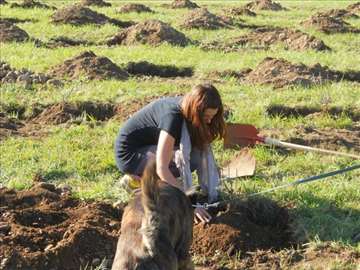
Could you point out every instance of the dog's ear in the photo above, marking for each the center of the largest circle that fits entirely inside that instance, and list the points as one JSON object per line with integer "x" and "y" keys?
{"x": 195, "y": 194}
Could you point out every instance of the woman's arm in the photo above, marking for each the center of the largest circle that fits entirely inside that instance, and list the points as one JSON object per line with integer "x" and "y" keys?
{"x": 164, "y": 155}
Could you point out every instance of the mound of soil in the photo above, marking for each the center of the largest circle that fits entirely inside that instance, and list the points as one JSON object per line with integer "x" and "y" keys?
{"x": 296, "y": 111}
{"x": 238, "y": 11}
{"x": 9, "y": 126}
{"x": 62, "y": 41}
{"x": 328, "y": 138}
{"x": 149, "y": 69}
{"x": 99, "y": 3}
{"x": 354, "y": 7}
{"x": 63, "y": 112}
{"x": 329, "y": 25}
{"x": 43, "y": 228}
{"x": 183, "y": 4}
{"x": 243, "y": 227}
{"x": 264, "y": 5}
{"x": 139, "y": 8}
{"x": 31, "y": 4}
{"x": 202, "y": 18}
{"x": 80, "y": 15}
{"x": 25, "y": 76}
{"x": 89, "y": 65}
{"x": 280, "y": 73}
{"x": 9, "y": 32}
{"x": 262, "y": 38}
{"x": 339, "y": 13}
{"x": 151, "y": 32}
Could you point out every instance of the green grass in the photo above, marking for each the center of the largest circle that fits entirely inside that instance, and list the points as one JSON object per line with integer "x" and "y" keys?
{"x": 82, "y": 155}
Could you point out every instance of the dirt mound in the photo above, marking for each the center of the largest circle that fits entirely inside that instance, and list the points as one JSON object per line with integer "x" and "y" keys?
{"x": 238, "y": 11}
{"x": 243, "y": 226}
{"x": 264, "y": 37}
{"x": 43, "y": 228}
{"x": 354, "y": 7}
{"x": 9, "y": 32}
{"x": 264, "y": 5}
{"x": 25, "y": 76}
{"x": 202, "y": 18}
{"x": 31, "y": 4}
{"x": 89, "y": 65}
{"x": 328, "y": 138}
{"x": 183, "y": 4}
{"x": 62, "y": 41}
{"x": 329, "y": 25}
{"x": 339, "y": 13}
{"x": 80, "y": 15}
{"x": 99, "y": 3}
{"x": 8, "y": 126}
{"x": 151, "y": 32}
{"x": 280, "y": 73}
{"x": 296, "y": 111}
{"x": 149, "y": 69}
{"x": 134, "y": 8}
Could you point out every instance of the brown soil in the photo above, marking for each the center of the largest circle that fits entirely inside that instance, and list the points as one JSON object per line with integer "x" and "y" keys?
{"x": 149, "y": 69}
{"x": 264, "y": 5}
{"x": 329, "y": 25}
{"x": 242, "y": 227}
{"x": 31, "y": 4}
{"x": 183, "y": 4}
{"x": 89, "y": 65}
{"x": 8, "y": 126}
{"x": 9, "y": 32}
{"x": 328, "y": 138}
{"x": 286, "y": 111}
{"x": 238, "y": 11}
{"x": 80, "y": 15}
{"x": 43, "y": 228}
{"x": 280, "y": 73}
{"x": 354, "y": 7}
{"x": 202, "y": 18}
{"x": 339, "y": 13}
{"x": 264, "y": 37}
{"x": 62, "y": 41}
{"x": 151, "y": 32}
{"x": 99, "y": 3}
{"x": 139, "y": 8}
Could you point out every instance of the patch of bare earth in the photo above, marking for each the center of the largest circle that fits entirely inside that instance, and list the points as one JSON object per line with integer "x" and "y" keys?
{"x": 9, "y": 32}
{"x": 340, "y": 13}
{"x": 183, "y": 4}
{"x": 25, "y": 77}
{"x": 44, "y": 228}
{"x": 328, "y": 138}
{"x": 63, "y": 41}
{"x": 31, "y": 4}
{"x": 264, "y": 5}
{"x": 296, "y": 111}
{"x": 80, "y": 15}
{"x": 264, "y": 37}
{"x": 98, "y": 3}
{"x": 238, "y": 11}
{"x": 329, "y": 24}
{"x": 89, "y": 65}
{"x": 132, "y": 7}
{"x": 153, "y": 32}
{"x": 280, "y": 73}
{"x": 242, "y": 227}
{"x": 354, "y": 7}
{"x": 149, "y": 69}
{"x": 202, "y": 18}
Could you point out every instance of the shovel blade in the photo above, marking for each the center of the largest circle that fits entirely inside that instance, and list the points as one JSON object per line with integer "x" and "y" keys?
{"x": 240, "y": 135}
{"x": 243, "y": 164}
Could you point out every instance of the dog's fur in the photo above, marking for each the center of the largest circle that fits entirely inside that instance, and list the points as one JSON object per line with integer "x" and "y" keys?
{"x": 156, "y": 228}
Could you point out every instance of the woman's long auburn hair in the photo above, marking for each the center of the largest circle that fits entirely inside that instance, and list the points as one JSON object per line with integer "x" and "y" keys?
{"x": 193, "y": 106}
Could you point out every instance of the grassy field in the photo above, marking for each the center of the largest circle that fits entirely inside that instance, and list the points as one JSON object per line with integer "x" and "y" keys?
{"x": 81, "y": 155}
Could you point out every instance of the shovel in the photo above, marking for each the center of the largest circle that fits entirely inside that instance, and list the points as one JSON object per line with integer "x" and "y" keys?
{"x": 242, "y": 165}
{"x": 248, "y": 135}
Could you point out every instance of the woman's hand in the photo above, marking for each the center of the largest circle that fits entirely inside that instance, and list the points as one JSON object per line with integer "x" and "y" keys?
{"x": 201, "y": 215}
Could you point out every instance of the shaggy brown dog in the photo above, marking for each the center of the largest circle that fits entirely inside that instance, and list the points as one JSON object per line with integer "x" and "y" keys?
{"x": 156, "y": 228}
